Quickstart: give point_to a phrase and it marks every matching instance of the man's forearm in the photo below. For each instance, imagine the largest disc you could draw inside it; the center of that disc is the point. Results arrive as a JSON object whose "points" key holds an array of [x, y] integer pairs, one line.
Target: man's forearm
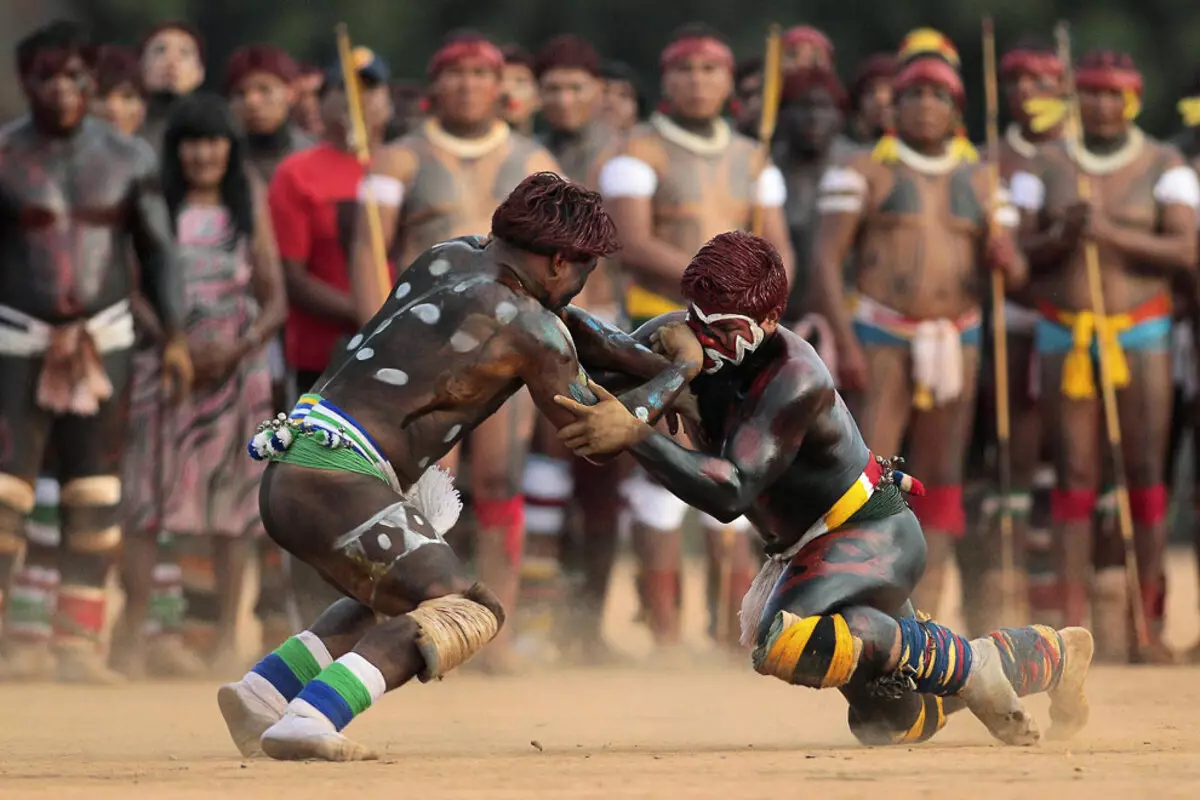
{"points": [[602, 347], [707, 483], [648, 401]]}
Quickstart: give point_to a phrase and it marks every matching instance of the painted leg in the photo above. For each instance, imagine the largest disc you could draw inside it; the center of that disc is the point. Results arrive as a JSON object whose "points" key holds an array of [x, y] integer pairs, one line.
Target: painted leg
{"points": [[497, 453], [547, 486], [256, 702], [657, 516], [33, 595]]}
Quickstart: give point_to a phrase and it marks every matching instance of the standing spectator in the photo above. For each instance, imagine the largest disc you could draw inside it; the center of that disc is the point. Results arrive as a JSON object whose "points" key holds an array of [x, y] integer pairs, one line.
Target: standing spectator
{"points": [[172, 57], [314, 200], [234, 302], [119, 98], [260, 80], [306, 109], [521, 98], [622, 103]]}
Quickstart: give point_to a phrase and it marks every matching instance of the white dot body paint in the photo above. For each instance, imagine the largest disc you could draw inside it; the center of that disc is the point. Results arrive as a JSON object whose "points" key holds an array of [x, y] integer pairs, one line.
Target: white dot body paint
{"points": [[462, 287], [463, 342], [364, 354], [396, 377], [506, 312], [417, 519], [440, 266], [427, 313], [354, 342], [423, 463], [383, 325], [641, 413], [402, 290], [452, 433], [385, 541]]}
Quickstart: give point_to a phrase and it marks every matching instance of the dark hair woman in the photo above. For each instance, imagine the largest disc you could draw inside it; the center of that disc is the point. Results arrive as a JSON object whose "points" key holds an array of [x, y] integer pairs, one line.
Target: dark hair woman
{"points": [[235, 303]]}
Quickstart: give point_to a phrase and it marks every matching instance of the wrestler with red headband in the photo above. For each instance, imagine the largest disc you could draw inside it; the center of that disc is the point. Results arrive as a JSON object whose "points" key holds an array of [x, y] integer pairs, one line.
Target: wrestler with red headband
{"points": [[914, 214], [1142, 218], [680, 179], [775, 441], [444, 180], [1029, 73], [805, 47]]}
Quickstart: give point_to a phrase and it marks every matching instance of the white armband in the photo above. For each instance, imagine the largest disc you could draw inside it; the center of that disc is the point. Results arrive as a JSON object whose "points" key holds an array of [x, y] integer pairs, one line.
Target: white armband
{"points": [[770, 190], [1178, 185], [841, 191], [626, 176], [384, 190], [1027, 191]]}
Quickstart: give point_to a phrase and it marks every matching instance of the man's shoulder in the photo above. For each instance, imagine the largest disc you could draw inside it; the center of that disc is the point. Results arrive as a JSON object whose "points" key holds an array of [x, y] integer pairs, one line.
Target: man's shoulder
{"points": [[799, 364]]}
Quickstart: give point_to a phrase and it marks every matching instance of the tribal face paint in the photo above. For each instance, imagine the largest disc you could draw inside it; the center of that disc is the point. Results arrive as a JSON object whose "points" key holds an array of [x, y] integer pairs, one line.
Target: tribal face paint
{"points": [[726, 338]]}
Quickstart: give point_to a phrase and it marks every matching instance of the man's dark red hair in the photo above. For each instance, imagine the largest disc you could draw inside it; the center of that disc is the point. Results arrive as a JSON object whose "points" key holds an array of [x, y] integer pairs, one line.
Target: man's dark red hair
{"points": [[546, 215], [63, 36], [117, 66], [567, 51], [259, 58], [517, 56], [737, 273]]}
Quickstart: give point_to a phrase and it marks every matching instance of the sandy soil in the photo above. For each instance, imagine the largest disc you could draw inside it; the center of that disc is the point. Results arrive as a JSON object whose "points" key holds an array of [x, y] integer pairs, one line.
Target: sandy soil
{"points": [[646, 732]]}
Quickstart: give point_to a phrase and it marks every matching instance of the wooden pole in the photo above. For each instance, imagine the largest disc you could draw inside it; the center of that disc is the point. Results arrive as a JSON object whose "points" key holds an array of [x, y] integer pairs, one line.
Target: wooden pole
{"points": [[358, 133], [772, 89], [999, 336]]}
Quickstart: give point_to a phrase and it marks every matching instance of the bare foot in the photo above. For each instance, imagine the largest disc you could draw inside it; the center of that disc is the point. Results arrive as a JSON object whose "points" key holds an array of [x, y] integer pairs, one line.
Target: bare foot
{"points": [[247, 716], [83, 663], [297, 738], [1069, 710], [992, 699]]}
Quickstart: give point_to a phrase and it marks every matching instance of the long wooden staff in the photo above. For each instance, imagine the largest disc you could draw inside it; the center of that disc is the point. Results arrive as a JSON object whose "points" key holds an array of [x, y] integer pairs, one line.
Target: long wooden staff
{"points": [[999, 333], [772, 88], [1096, 290], [362, 149]]}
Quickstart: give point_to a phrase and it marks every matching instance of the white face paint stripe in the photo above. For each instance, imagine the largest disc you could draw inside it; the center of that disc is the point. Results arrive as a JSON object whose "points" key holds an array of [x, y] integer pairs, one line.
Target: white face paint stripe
{"points": [[743, 347]]}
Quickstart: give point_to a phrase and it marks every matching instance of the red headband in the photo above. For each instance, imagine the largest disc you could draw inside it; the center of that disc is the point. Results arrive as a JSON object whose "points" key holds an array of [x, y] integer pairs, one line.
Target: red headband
{"points": [[463, 49], [1030, 62], [806, 34], [930, 70], [1113, 79], [697, 47]]}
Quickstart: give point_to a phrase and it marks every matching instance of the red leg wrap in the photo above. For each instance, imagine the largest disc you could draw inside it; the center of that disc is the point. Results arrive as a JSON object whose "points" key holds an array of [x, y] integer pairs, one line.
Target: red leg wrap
{"points": [[1072, 505], [80, 613], [1148, 505], [941, 509], [508, 516]]}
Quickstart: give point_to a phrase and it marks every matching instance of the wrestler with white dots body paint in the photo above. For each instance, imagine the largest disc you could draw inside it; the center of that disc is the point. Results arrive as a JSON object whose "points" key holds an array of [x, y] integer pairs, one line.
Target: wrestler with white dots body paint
{"points": [[353, 488]]}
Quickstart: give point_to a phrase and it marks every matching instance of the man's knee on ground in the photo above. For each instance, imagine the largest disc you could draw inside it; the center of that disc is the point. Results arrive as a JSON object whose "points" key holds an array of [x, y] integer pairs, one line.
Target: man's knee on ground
{"points": [[16, 500], [455, 627], [90, 513], [819, 652], [914, 719]]}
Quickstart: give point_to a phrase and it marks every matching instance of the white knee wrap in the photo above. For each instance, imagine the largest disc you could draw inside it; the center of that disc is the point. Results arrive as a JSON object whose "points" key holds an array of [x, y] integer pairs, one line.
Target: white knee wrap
{"points": [[652, 505], [548, 486]]}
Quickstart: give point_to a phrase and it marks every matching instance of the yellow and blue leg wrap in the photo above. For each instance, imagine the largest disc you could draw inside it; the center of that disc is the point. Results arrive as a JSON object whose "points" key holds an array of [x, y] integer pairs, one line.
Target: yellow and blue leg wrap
{"points": [[819, 652], [920, 721]]}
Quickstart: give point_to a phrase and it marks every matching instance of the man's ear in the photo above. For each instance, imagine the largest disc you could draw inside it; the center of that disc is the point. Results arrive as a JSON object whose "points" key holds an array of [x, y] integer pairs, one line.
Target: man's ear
{"points": [[558, 265], [770, 322]]}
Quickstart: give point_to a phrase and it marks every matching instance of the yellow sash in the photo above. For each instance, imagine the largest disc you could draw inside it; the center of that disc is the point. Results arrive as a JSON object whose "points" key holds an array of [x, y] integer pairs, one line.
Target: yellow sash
{"points": [[1078, 380]]}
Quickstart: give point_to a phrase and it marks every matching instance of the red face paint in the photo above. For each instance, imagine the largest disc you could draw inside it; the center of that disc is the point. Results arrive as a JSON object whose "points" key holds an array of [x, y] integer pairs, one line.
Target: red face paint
{"points": [[726, 338]]}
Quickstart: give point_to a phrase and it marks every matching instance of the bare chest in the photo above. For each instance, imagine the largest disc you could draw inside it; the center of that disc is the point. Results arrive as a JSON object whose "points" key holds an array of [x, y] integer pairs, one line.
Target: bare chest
{"points": [[60, 188]]}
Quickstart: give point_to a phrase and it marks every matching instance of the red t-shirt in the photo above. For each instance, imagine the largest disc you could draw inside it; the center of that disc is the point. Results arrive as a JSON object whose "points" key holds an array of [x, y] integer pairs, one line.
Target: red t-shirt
{"points": [[314, 203]]}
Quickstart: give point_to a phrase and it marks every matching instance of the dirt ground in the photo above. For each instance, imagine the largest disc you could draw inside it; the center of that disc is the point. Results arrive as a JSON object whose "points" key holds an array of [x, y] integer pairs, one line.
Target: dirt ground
{"points": [[639, 732]]}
